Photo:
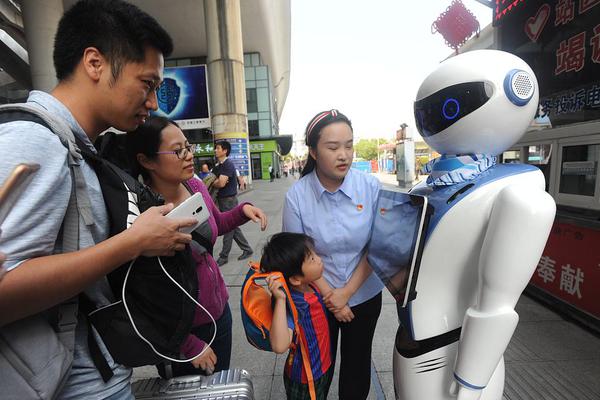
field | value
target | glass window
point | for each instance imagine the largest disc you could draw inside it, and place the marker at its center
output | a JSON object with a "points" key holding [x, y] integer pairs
{"points": [[264, 127], [539, 155], [261, 72], [249, 73], [511, 156], [255, 59], [250, 84], [170, 63], [247, 59], [578, 169], [262, 98], [264, 115], [252, 115], [184, 62], [262, 83], [253, 127], [251, 101]]}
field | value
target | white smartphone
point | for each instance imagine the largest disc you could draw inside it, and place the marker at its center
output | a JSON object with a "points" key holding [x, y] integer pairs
{"points": [[14, 185], [195, 207]]}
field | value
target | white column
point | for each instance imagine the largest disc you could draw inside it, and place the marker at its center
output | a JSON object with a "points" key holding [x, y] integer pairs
{"points": [[40, 20], [226, 84]]}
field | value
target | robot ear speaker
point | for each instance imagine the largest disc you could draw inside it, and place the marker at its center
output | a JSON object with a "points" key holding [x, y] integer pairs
{"points": [[519, 87]]}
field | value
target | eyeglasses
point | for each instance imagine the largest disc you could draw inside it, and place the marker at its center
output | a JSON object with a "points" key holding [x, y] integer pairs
{"points": [[182, 152]]}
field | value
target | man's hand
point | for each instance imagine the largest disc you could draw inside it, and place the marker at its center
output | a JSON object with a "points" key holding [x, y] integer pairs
{"points": [[206, 361], [336, 299], [256, 215], [344, 315], [158, 235]]}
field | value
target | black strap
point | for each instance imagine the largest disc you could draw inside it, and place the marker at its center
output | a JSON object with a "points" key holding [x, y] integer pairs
{"points": [[203, 241], [11, 116], [100, 362]]}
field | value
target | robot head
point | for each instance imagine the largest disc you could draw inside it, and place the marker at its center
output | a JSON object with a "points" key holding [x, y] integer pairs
{"points": [[477, 102]]}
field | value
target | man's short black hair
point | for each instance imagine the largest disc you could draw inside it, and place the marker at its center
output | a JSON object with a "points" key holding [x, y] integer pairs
{"points": [[225, 145], [119, 30]]}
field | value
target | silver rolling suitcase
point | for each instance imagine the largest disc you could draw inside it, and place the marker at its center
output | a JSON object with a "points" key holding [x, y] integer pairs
{"points": [[231, 384]]}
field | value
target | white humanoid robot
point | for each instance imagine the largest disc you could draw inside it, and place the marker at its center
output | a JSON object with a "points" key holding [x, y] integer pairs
{"points": [[489, 225]]}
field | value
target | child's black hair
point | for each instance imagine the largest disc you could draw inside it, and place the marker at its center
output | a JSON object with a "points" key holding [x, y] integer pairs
{"points": [[285, 252]]}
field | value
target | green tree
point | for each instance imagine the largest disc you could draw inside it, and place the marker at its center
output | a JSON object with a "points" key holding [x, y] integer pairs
{"points": [[367, 148]]}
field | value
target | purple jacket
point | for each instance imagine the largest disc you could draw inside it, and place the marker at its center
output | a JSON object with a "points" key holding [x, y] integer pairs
{"points": [[212, 292]]}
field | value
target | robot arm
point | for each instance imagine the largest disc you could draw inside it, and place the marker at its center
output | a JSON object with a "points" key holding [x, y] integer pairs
{"points": [[519, 225]]}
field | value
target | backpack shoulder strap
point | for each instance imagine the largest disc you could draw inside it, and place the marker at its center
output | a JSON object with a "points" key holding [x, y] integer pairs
{"points": [[79, 204], [64, 316]]}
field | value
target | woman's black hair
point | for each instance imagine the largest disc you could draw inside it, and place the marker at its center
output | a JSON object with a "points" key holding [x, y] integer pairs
{"points": [[313, 133], [145, 140], [285, 252]]}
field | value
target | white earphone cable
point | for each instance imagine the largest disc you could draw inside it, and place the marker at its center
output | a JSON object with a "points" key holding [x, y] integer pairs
{"points": [[187, 294]]}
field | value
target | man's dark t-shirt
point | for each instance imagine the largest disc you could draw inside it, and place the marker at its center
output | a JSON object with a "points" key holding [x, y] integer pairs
{"points": [[227, 168]]}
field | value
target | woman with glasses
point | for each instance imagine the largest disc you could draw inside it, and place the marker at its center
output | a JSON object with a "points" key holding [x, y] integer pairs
{"points": [[161, 154]]}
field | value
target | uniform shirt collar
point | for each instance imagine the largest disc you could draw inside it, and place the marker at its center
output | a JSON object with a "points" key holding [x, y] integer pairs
{"points": [[346, 188]]}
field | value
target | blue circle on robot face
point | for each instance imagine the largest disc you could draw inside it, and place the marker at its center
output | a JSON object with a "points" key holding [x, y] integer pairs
{"points": [[451, 108]]}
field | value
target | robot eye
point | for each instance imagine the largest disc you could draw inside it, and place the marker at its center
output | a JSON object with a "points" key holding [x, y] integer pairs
{"points": [[451, 108]]}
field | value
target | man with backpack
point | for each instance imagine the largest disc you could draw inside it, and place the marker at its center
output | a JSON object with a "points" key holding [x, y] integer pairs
{"points": [[108, 57]]}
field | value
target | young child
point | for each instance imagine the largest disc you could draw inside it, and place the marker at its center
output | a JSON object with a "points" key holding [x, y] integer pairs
{"points": [[293, 255]]}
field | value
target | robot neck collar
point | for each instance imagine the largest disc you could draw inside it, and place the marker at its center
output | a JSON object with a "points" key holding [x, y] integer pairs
{"points": [[450, 169]]}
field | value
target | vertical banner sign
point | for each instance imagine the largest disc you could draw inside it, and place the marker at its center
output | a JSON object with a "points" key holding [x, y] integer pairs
{"points": [[239, 153], [560, 40], [183, 97], [569, 270]]}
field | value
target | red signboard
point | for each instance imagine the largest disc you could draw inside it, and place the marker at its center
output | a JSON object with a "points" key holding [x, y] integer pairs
{"points": [[570, 267]]}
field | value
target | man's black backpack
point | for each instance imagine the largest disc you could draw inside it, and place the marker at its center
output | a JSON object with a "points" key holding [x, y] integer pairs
{"points": [[161, 312]]}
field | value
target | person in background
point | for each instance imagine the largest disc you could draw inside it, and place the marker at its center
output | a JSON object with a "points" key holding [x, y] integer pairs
{"points": [[271, 173], [241, 180], [204, 171], [160, 152], [332, 194], [227, 184]]}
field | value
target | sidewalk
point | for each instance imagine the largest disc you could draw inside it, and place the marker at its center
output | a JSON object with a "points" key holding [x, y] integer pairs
{"points": [[548, 357]]}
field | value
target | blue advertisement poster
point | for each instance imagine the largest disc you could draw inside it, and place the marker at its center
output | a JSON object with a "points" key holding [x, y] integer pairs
{"points": [[183, 97]]}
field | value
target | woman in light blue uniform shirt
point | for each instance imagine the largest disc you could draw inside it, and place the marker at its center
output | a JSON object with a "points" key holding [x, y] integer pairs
{"points": [[335, 205]]}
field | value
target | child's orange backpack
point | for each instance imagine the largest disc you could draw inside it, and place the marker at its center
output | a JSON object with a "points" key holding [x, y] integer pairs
{"points": [[257, 316]]}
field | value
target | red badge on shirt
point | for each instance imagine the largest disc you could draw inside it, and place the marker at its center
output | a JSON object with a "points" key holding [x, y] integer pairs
{"points": [[359, 207]]}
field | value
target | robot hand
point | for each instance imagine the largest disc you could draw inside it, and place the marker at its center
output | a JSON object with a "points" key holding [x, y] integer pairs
{"points": [[463, 393]]}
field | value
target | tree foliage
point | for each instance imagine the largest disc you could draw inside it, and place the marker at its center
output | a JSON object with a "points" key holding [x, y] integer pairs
{"points": [[367, 148]]}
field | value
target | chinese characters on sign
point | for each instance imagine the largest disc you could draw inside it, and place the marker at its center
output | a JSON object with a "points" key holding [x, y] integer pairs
{"points": [[257, 147], [568, 270], [560, 40], [570, 279]]}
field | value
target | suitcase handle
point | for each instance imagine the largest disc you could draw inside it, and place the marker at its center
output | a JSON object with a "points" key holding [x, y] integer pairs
{"points": [[193, 382]]}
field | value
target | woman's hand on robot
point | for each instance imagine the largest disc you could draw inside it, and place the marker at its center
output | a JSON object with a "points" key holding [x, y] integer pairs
{"points": [[344, 315], [336, 299]]}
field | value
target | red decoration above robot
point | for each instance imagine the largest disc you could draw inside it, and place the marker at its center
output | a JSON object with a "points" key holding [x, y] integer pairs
{"points": [[457, 24]]}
